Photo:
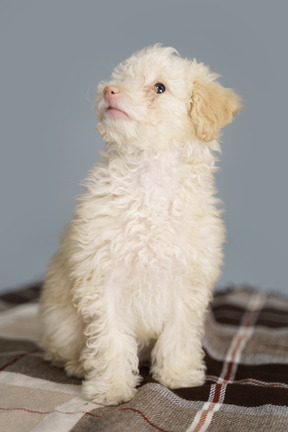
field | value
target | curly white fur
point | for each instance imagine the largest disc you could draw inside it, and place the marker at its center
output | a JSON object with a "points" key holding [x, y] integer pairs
{"points": [[138, 262]]}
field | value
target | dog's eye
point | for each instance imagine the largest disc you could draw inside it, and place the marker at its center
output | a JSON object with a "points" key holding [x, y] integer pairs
{"points": [[160, 88]]}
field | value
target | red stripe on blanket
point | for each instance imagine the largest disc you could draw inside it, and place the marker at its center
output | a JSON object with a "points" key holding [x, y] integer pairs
{"points": [[248, 381], [144, 417], [49, 412], [16, 359]]}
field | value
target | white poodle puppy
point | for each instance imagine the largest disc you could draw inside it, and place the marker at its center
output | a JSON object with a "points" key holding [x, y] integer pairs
{"points": [[137, 264]]}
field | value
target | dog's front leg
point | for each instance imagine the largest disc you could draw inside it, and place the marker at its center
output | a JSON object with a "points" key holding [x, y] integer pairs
{"points": [[110, 360], [177, 357]]}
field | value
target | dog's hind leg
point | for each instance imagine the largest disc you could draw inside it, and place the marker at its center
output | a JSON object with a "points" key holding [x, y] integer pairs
{"points": [[61, 329], [62, 337]]}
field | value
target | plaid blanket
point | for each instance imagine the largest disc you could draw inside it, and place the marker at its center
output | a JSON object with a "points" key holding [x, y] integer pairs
{"points": [[246, 347]]}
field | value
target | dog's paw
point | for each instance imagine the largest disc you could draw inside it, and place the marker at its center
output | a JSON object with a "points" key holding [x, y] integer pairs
{"points": [[74, 368], [107, 394], [54, 359], [175, 379]]}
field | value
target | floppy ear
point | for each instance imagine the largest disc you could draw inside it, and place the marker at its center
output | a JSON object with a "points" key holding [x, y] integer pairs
{"points": [[213, 107]]}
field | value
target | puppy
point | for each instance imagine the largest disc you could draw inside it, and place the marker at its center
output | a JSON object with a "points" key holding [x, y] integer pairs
{"points": [[137, 264]]}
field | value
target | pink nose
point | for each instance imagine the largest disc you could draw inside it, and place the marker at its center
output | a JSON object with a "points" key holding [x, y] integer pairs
{"points": [[111, 91]]}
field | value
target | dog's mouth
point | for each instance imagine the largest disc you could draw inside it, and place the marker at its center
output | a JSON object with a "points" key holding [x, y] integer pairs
{"points": [[116, 113]]}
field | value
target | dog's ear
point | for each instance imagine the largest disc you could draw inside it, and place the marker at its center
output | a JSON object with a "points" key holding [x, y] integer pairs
{"points": [[212, 108]]}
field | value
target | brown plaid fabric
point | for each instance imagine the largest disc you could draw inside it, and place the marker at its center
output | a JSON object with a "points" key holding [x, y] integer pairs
{"points": [[246, 345]]}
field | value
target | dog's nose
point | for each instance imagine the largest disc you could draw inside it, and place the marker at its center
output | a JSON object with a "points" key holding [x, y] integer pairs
{"points": [[111, 91]]}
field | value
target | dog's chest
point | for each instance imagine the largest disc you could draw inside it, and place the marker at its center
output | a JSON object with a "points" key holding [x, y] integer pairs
{"points": [[136, 220], [153, 184], [142, 213], [144, 225], [142, 189], [134, 233]]}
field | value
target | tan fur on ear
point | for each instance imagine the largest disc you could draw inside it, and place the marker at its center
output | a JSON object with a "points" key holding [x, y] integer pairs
{"points": [[213, 107]]}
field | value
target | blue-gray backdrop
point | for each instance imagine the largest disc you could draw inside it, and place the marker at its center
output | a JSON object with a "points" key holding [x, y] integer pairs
{"points": [[52, 55]]}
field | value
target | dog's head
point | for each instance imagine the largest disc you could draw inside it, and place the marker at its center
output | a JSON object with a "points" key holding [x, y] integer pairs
{"points": [[156, 97]]}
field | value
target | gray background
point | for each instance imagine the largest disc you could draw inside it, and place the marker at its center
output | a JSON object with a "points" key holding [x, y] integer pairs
{"points": [[52, 55]]}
